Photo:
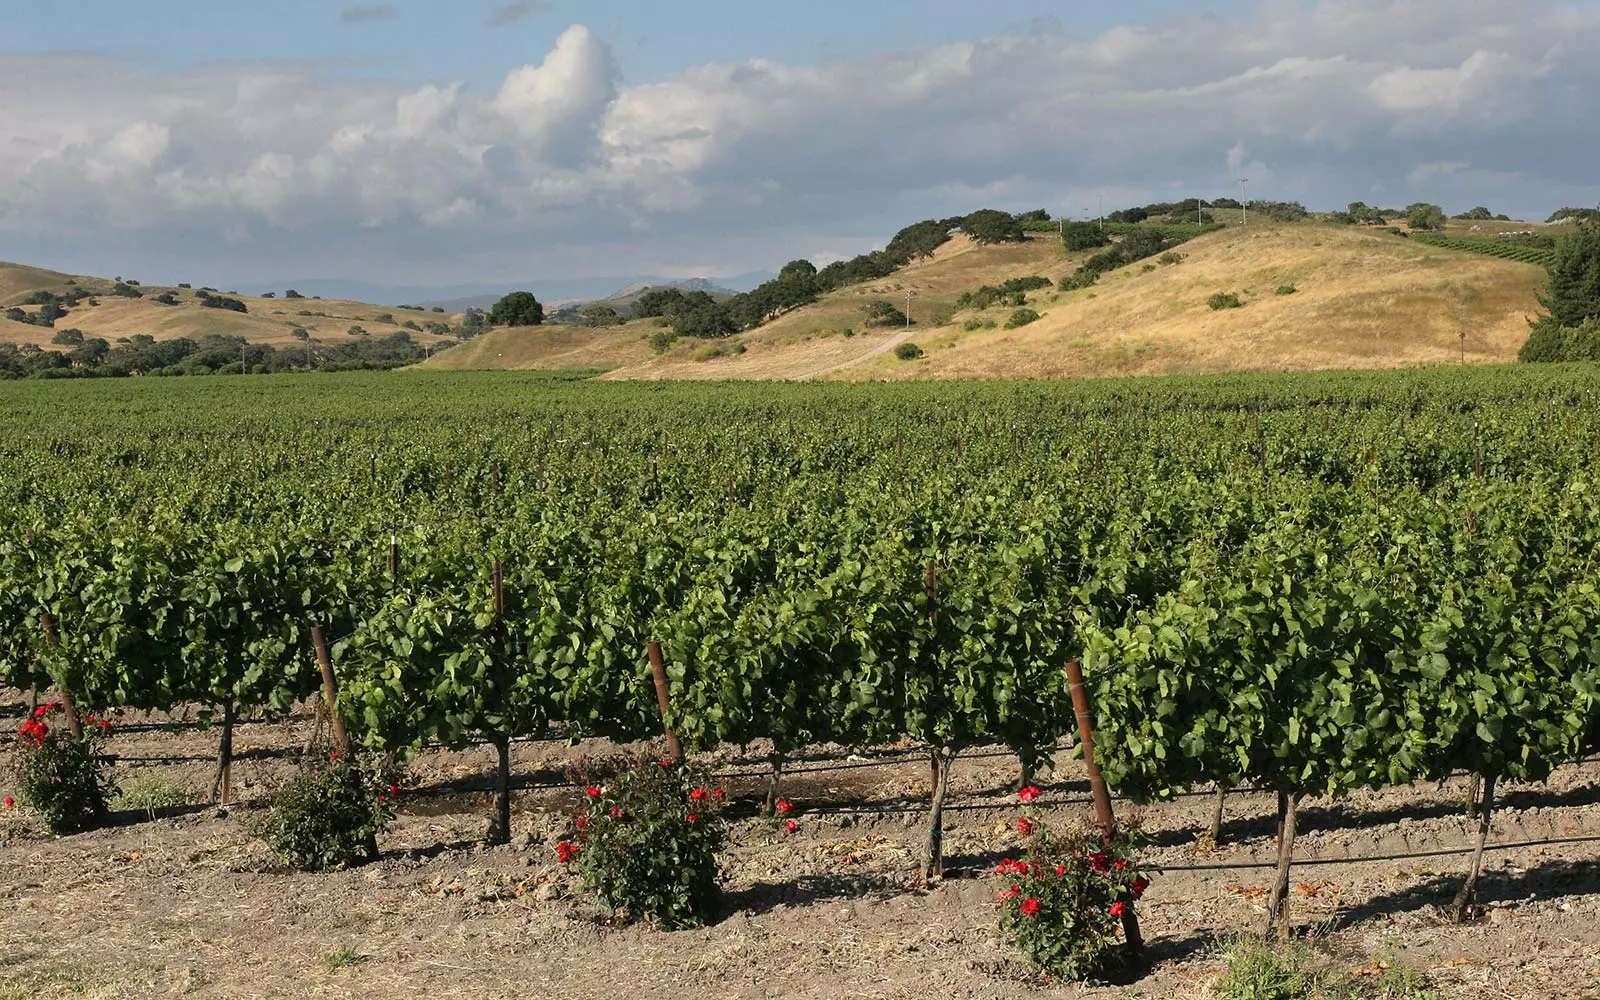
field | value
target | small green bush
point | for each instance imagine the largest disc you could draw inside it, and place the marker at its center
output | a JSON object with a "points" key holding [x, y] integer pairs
{"points": [[849, 331], [972, 324], [647, 843], [884, 313], [150, 792], [662, 339], [1224, 300], [330, 814], [1022, 317], [1171, 257], [61, 778], [908, 351], [1287, 289]]}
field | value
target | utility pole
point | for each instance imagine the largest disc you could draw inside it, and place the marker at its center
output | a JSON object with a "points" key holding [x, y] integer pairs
{"points": [[1463, 336], [1244, 201]]}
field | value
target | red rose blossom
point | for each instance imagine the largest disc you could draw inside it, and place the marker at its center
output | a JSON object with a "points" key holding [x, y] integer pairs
{"points": [[1139, 886], [1121, 864], [785, 807], [1118, 908], [791, 826], [698, 795], [1029, 907], [581, 822], [616, 812], [718, 793], [11, 803], [394, 790], [565, 851], [1025, 827], [1099, 862], [593, 791], [1029, 794], [1061, 869], [693, 817], [1011, 893]]}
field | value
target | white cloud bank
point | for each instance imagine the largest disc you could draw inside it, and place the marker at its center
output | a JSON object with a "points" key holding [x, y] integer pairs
{"points": [[294, 170]]}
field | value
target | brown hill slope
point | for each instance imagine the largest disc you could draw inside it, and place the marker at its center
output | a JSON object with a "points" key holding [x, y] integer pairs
{"points": [[1361, 299], [268, 321]]}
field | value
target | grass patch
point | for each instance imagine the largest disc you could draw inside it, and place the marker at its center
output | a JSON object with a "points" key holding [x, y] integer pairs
{"points": [[1260, 970], [1287, 290], [150, 792], [344, 958]]}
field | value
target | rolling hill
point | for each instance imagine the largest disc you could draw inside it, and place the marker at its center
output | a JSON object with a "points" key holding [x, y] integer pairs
{"points": [[267, 321], [1361, 298]]}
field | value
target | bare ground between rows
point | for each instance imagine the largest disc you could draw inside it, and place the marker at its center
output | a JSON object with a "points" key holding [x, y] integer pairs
{"points": [[192, 905]]}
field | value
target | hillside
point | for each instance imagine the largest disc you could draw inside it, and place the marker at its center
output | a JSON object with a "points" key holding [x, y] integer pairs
{"points": [[268, 320], [1363, 298]]}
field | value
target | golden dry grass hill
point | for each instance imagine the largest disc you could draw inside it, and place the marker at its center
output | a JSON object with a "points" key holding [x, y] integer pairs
{"points": [[1361, 298], [267, 321]]}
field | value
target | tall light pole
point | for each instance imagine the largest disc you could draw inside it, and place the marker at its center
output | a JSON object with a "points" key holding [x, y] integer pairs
{"points": [[1244, 201]]}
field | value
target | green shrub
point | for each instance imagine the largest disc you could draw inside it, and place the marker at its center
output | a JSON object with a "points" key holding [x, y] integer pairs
{"points": [[1224, 300], [849, 331], [1061, 903], [330, 814], [1287, 290], [1083, 277], [662, 339], [61, 778], [908, 351], [1022, 317], [647, 843], [973, 324], [1171, 257], [884, 313]]}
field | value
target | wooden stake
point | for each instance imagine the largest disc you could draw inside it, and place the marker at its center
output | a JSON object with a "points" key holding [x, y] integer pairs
{"points": [[1106, 820], [658, 671], [330, 690]]}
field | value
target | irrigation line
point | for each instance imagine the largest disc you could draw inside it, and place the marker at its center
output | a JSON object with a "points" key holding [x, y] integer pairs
{"points": [[1371, 859]]}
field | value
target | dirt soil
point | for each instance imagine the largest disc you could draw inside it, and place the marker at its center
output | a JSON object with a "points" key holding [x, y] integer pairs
{"points": [[185, 902]]}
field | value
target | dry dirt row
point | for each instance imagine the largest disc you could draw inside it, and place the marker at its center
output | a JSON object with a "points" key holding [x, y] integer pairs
{"points": [[187, 903]]}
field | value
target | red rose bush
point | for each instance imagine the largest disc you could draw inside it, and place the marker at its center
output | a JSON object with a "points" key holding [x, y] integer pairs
{"points": [[1061, 903], [647, 843]]}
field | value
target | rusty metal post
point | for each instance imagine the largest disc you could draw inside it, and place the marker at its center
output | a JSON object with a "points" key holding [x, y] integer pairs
{"points": [[658, 670], [330, 689], [1097, 788]]}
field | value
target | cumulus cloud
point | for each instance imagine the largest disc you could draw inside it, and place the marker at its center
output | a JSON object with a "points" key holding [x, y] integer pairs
{"points": [[564, 168]]}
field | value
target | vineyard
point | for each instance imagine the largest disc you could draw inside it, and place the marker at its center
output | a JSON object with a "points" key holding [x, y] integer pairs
{"points": [[1505, 249], [1308, 587]]}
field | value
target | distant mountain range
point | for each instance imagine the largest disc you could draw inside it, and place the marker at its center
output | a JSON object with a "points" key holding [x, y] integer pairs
{"points": [[554, 293]]}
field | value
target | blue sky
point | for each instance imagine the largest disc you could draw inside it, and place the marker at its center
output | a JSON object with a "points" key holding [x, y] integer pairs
{"points": [[432, 145]]}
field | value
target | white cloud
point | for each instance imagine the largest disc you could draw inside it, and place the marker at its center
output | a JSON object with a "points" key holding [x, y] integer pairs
{"points": [[562, 168]]}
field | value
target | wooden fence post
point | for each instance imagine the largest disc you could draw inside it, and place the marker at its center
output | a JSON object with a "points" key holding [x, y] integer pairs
{"points": [[330, 690], [658, 670], [1097, 788]]}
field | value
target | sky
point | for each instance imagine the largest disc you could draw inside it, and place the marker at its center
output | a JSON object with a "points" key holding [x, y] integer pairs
{"points": [[448, 146]]}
